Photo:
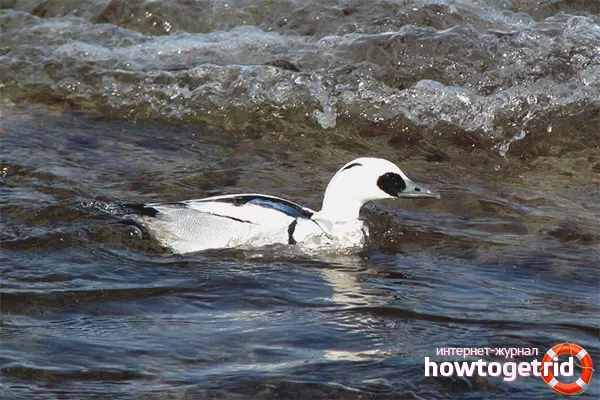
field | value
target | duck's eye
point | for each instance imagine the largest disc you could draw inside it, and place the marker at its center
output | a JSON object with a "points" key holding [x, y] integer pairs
{"points": [[391, 183], [417, 189]]}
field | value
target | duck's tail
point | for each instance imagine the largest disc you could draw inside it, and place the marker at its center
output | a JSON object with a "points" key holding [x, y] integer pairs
{"points": [[139, 209]]}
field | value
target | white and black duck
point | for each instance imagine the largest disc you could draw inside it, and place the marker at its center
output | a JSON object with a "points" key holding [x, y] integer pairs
{"points": [[255, 220]]}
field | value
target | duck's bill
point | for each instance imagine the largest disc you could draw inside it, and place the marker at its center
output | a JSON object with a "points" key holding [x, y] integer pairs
{"points": [[414, 190]]}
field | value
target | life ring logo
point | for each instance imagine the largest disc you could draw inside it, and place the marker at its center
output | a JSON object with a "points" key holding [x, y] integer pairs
{"points": [[549, 368]]}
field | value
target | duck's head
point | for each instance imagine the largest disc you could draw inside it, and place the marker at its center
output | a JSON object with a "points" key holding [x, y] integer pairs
{"points": [[363, 180]]}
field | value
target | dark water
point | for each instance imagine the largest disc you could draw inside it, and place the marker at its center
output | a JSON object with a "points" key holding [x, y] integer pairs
{"points": [[495, 104]]}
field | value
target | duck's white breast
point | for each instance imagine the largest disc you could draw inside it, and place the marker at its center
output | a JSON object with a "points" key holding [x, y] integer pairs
{"points": [[322, 235]]}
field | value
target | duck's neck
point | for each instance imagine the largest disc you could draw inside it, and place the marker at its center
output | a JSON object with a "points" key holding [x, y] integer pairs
{"points": [[337, 209]]}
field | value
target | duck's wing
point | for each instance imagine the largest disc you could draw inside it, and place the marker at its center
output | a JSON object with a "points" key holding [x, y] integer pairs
{"points": [[220, 222], [242, 203]]}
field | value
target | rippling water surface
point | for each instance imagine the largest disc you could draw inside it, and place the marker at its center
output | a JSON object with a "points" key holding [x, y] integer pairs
{"points": [[495, 104]]}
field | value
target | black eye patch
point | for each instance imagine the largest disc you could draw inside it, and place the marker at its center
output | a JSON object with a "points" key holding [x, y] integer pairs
{"points": [[391, 183]]}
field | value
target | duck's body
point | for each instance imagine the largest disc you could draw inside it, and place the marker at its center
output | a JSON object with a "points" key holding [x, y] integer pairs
{"points": [[248, 220], [256, 220]]}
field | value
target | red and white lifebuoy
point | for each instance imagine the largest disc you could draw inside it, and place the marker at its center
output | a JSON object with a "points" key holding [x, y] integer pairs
{"points": [[586, 369]]}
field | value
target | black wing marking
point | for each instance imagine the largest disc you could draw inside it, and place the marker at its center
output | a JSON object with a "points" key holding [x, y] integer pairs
{"points": [[227, 216], [291, 230], [284, 206]]}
